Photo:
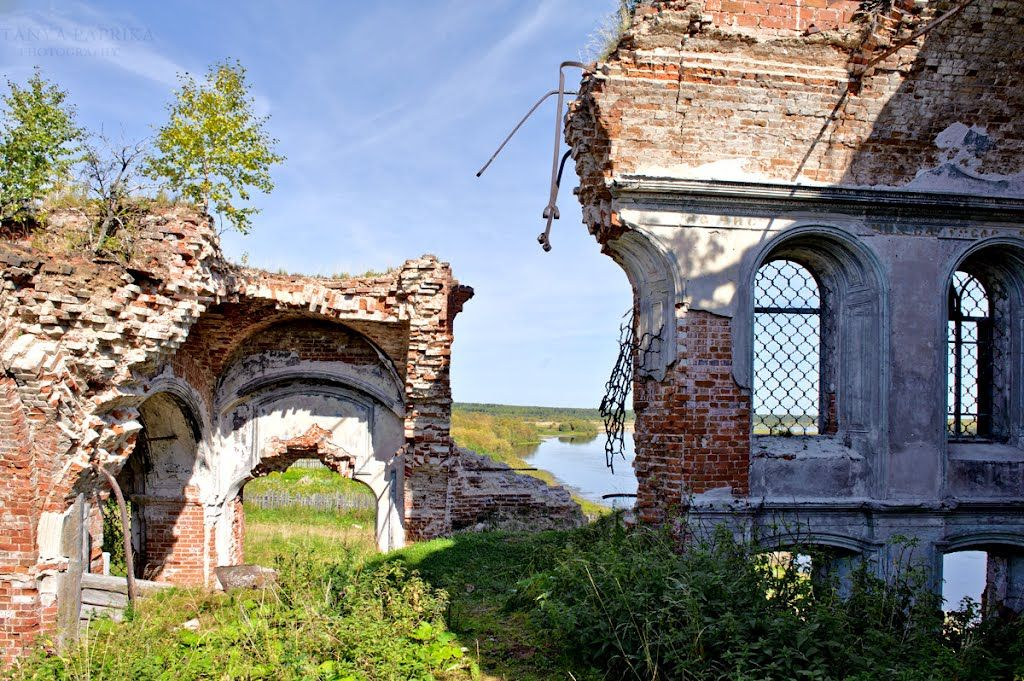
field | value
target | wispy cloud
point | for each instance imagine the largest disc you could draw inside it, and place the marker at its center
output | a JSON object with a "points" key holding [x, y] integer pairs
{"points": [[461, 93], [32, 37]]}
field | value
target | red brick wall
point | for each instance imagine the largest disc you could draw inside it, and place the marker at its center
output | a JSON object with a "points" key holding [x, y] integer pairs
{"points": [[786, 106], [176, 540], [692, 429], [19, 607], [788, 16]]}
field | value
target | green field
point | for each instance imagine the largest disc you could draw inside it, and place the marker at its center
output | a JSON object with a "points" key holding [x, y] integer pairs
{"points": [[529, 413]]}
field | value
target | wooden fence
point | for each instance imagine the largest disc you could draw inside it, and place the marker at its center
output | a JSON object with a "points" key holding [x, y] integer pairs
{"points": [[319, 502], [315, 464]]}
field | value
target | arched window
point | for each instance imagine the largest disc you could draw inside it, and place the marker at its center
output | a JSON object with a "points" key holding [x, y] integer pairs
{"points": [[971, 351], [787, 350]]}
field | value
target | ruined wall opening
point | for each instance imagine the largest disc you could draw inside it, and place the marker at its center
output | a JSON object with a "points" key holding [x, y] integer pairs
{"points": [[306, 499], [963, 576], [308, 388], [989, 571], [824, 565], [159, 483]]}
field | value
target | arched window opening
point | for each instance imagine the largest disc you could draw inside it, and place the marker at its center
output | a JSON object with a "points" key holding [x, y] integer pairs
{"points": [[787, 350], [963, 577], [306, 506], [166, 517], [990, 575], [971, 350]]}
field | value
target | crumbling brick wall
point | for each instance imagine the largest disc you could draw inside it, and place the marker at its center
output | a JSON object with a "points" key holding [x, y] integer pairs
{"points": [[88, 345], [772, 91], [715, 94]]}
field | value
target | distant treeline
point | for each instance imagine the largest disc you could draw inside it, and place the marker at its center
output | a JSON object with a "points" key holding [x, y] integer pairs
{"points": [[557, 414]]}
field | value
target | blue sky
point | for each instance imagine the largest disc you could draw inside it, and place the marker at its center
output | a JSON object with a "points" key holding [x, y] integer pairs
{"points": [[385, 111]]}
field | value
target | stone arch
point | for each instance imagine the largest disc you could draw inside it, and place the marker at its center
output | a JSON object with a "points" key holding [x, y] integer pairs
{"points": [[1004, 571], [279, 454], [653, 278], [293, 417], [165, 479], [834, 556], [854, 327]]}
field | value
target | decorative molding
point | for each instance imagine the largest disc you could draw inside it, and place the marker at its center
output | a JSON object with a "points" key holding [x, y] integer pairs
{"points": [[779, 196]]}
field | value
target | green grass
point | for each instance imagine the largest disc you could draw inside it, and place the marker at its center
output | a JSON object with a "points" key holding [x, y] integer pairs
{"points": [[329, 536], [482, 572], [531, 413], [602, 602]]}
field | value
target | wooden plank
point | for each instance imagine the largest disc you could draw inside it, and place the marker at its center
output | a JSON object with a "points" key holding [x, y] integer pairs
{"points": [[119, 584], [69, 594], [110, 599]]}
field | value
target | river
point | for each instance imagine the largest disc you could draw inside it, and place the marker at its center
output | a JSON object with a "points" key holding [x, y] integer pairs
{"points": [[579, 464]]}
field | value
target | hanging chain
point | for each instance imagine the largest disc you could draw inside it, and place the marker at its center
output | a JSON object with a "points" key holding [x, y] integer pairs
{"points": [[632, 354]]}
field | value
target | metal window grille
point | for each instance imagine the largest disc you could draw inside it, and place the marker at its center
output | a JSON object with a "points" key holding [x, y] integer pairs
{"points": [[787, 350], [971, 359]]}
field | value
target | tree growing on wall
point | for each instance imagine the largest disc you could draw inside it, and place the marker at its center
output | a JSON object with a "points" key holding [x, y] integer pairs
{"points": [[110, 175], [38, 142], [214, 150]]}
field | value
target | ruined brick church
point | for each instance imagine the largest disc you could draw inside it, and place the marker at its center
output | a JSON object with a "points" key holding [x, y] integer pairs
{"points": [[820, 209], [185, 377]]}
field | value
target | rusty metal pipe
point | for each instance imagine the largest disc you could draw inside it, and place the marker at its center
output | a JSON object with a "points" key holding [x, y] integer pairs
{"points": [[129, 564], [516, 129], [551, 210]]}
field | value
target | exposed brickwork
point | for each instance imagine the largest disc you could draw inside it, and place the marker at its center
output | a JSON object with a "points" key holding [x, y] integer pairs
{"points": [[488, 492], [782, 92], [177, 543], [679, 94], [693, 428], [91, 350]]}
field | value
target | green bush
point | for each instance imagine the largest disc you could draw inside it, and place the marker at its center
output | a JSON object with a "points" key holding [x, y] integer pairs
{"points": [[630, 602]]}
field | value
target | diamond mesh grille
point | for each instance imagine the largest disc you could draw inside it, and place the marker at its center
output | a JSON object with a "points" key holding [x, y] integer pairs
{"points": [[973, 357], [787, 350]]}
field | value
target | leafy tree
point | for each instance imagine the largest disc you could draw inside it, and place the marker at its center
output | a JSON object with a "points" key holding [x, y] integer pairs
{"points": [[38, 142], [214, 148]]}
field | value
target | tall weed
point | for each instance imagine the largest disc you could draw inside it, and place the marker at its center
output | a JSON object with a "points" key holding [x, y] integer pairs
{"points": [[629, 601]]}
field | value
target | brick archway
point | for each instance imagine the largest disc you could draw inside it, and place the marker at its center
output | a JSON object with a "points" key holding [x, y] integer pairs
{"points": [[315, 443]]}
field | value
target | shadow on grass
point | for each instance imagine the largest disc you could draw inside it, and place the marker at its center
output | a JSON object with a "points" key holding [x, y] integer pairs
{"points": [[480, 572]]}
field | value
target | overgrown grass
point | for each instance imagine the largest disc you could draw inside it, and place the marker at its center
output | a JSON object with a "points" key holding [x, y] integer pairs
{"points": [[306, 481], [630, 602], [323, 535], [603, 602]]}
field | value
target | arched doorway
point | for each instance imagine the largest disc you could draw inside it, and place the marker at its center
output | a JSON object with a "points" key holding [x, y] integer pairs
{"points": [[304, 498], [161, 483]]}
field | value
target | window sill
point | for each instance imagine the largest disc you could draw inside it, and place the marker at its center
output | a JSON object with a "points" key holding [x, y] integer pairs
{"points": [[802, 447], [984, 451]]}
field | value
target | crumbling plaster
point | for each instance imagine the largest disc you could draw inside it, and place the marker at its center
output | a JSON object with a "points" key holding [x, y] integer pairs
{"points": [[719, 134], [187, 376]]}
